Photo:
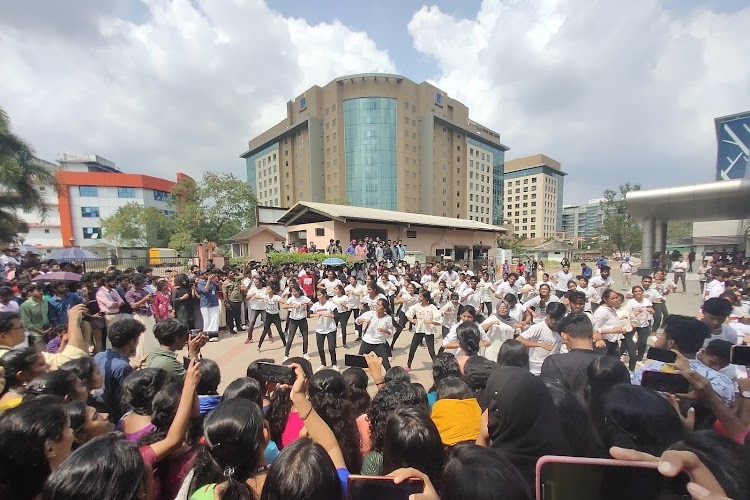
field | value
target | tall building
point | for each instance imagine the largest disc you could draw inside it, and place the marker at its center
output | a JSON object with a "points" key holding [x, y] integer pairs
{"points": [[583, 221], [380, 141], [91, 189], [534, 196]]}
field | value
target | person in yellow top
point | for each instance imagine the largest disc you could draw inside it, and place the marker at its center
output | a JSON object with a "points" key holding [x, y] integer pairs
{"points": [[457, 414], [12, 333]]}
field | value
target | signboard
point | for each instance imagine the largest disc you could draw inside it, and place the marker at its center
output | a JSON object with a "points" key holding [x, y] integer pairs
{"points": [[733, 146]]}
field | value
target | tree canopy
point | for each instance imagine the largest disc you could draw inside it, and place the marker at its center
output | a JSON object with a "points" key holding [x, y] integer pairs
{"points": [[619, 227], [213, 209], [21, 175], [137, 225]]}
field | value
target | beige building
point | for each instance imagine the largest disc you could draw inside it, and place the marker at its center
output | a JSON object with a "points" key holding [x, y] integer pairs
{"points": [[533, 196], [431, 235], [380, 141]]}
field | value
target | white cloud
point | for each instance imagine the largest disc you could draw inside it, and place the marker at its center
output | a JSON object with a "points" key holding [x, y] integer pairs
{"points": [[617, 91], [183, 87]]}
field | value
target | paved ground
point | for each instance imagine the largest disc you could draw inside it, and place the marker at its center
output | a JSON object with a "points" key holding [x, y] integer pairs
{"points": [[233, 355]]}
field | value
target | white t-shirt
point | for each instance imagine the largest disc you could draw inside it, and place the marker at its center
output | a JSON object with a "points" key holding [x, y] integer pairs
{"points": [[423, 314], [605, 318], [506, 287], [330, 285], [256, 304], [471, 297], [540, 312], [353, 292], [728, 333], [299, 311], [452, 336], [272, 304], [370, 302], [449, 313], [541, 333], [341, 303], [325, 324], [371, 335], [562, 280], [498, 334], [638, 313]]}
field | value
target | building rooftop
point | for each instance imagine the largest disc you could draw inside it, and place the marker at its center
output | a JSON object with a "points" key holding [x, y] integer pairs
{"points": [[305, 212], [538, 160]]}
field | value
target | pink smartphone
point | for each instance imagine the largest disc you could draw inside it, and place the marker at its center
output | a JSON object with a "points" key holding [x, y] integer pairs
{"points": [[573, 478]]}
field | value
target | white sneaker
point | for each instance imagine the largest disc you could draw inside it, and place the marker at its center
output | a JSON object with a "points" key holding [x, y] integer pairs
{"points": [[306, 357], [234, 330], [213, 339], [285, 358], [335, 368]]}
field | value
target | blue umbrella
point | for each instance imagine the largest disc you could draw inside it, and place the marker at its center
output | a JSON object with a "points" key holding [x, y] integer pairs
{"points": [[334, 261], [73, 254]]}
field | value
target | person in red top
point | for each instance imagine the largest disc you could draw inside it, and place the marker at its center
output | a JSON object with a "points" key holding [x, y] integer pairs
{"points": [[162, 304], [307, 282]]}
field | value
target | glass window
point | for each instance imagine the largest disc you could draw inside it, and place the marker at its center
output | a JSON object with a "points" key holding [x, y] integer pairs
{"points": [[87, 191], [370, 140], [92, 233], [90, 212], [125, 192], [161, 195]]}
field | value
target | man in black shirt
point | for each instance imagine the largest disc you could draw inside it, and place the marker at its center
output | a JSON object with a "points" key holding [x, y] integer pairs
{"points": [[577, 333]]}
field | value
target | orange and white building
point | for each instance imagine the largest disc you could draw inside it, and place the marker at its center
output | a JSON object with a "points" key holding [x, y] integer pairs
{"points": [[91, 189]]}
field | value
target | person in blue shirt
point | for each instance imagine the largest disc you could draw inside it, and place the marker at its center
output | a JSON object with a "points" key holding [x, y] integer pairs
{"points": [[586, 271], [60, 303], [115, 364], [208, 290]]}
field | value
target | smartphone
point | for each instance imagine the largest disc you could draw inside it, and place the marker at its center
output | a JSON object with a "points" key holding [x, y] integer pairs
{"points": [[661, 355], [354, 360], [673, 383], [195, 332], [276, 373], [740, 355], [378, 488], [573, 478]]}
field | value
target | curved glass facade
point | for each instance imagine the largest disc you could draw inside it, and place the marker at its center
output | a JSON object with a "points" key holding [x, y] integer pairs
{"points": [[370, 141]]}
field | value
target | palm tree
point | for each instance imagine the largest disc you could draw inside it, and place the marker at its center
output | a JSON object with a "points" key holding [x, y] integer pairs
{"points": [[20, 174]]}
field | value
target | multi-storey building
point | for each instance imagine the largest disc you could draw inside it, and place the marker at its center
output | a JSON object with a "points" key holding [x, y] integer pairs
{"points": [[380, 141], [583, 221], [533, 196], [90, 189]]}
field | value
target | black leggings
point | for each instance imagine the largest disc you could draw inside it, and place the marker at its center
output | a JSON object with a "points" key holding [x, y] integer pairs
{"points": [[399, 323], [342, 318], [268, 320], [635, 351], [380, 349], [660, 315], [293, 325], [321, 338], [254, 313], [612, 349], [235, 315], [415, 341], [357, 326]]}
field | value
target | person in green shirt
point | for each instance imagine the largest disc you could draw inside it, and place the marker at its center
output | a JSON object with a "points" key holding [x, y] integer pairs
{"points": [[172, 337], [35, 313]]}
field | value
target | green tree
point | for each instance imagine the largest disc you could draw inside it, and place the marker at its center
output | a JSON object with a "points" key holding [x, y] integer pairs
{"points": [[21, 174], [619, 227], [139, 226], [220, 206], [512, 242], [677, 231]]}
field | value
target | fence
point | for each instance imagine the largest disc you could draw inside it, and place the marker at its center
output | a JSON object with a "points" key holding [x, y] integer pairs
{"points": [[160, 265]]}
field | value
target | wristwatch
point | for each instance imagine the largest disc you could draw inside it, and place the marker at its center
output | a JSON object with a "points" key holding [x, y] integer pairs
{"points": [[745, 394]]}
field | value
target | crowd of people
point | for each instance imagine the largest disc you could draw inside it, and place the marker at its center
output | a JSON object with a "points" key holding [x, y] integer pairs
{"points": [[96, 402]]}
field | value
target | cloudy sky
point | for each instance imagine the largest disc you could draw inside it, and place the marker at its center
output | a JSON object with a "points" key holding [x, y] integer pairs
{"points": [[615, 90]]}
